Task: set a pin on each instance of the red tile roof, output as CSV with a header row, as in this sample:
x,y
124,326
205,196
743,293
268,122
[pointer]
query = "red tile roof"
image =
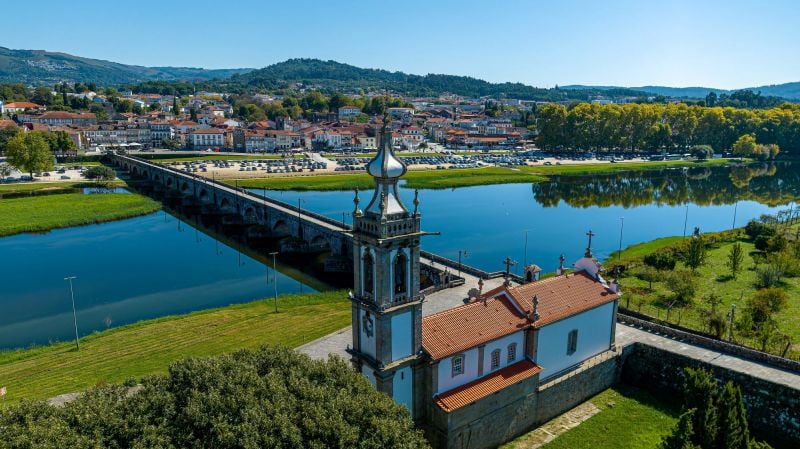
x,y
22,104
562,296
483,387
466,326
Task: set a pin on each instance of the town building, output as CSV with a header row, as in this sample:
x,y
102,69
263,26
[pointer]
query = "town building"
x,y
348,111
206,138
20,106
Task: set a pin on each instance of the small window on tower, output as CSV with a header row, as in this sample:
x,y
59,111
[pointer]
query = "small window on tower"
x,y
572,341
512,352
458,365
496,359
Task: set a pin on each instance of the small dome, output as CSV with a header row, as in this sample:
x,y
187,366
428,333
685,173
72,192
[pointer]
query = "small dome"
x,y
385,164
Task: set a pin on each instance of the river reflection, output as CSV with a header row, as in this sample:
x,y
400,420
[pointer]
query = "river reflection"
x,y
128,270
492,222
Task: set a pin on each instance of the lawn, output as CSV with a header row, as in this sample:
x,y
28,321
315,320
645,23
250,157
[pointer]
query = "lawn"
x,y
423,179
148,347
628,418
443,179
714,277
43,213
21,187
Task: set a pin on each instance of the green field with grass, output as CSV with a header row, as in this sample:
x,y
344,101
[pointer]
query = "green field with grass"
x,y
629,418
422,179
20,187
148,347
212,157
43,213
444,179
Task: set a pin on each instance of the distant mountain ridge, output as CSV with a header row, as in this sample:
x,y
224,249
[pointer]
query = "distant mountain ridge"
x,y
790,91
44,67
338,76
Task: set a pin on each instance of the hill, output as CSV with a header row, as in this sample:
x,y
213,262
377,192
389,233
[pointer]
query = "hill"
x,y
44,67
332,75
789,91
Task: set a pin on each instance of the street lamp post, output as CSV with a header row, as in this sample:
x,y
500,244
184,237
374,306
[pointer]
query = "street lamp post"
x,y
735,208
685,220
299,218
525,256
460,253
275,277
74,315
621,227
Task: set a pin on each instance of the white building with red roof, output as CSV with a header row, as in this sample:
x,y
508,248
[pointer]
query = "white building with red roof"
x,y
461,370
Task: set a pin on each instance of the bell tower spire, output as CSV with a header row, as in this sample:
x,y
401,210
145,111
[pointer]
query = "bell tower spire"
x,y
387,304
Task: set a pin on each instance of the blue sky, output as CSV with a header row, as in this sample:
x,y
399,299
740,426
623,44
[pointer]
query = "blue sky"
x,y
725,44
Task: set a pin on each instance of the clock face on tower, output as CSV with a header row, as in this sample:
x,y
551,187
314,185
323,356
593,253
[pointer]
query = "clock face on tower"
x,y
368,323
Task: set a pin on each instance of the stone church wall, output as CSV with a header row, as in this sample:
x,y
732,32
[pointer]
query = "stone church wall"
x,y
772,408
504,415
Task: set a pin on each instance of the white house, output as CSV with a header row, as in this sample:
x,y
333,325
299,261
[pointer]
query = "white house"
x,y
202,139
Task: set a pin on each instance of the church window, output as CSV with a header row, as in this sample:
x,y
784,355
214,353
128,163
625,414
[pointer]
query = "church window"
x,y
512,352
495,359
458,365
369,267
400,272
572,341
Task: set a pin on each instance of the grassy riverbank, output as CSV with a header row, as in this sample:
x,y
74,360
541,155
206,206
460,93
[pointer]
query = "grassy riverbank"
x,y
210,157
611,427
24,187
443,179
148,347
44,213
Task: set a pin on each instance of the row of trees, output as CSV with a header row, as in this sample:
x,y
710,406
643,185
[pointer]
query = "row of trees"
x,y
272,397
663,127
245,107
712,417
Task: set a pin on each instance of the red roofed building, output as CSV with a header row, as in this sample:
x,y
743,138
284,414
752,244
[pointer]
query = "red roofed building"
x,y
479,367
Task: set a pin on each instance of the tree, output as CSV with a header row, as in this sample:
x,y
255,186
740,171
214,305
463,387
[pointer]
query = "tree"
x,y
100,173
6,133
735,259
193,114
5,171
695,253
683,284
745,146
681,436
702,152
660,260
272,397
699,394
29,152
732,428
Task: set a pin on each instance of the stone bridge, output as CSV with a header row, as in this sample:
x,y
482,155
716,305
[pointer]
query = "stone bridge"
x,y
252,215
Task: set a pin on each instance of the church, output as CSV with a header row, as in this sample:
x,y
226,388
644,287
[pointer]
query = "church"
x,y
464,371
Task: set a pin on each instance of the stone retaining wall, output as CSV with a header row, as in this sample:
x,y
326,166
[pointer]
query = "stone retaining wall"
x,y
772,408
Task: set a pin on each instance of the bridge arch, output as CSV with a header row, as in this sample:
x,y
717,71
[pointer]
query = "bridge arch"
x,y
184,186
204,196
281,228
169,181
250,214
226,205
320,243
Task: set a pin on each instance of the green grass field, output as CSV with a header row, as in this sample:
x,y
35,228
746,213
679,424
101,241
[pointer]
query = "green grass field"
x,y
21,187
43,213
629,418
212,157
148,347
444,179
423,179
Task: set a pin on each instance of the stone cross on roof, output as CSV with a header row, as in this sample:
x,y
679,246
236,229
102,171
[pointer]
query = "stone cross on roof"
x,y
589,246
509,263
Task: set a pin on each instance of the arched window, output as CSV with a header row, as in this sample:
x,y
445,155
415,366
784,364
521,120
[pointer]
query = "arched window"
x,y
400,273
495,359
368,270
512,352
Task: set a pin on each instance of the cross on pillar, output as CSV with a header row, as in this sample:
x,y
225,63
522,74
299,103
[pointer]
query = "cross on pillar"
x,y
589,247
509,263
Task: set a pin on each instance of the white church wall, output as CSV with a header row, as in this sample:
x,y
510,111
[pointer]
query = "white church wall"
x,y
401,335
502,345
367,338
402,387
594,337
446,379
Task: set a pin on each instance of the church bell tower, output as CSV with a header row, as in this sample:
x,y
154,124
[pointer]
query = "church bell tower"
x,y
387,305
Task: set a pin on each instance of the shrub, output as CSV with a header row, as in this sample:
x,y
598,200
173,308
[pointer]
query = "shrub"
x,y
272,397
768,275
683,284
662,259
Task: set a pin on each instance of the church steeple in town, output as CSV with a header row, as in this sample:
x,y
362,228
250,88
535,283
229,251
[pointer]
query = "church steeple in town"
x,y
387,304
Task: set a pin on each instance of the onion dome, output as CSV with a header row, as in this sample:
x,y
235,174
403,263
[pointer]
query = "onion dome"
x,y
385,164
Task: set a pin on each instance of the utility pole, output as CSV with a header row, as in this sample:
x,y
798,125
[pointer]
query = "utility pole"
x,y
621,227
460,252
730,326
735,208
685,220
525,256
275,277
74,315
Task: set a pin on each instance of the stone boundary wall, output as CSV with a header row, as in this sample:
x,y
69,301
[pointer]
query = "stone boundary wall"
x,y
772,408
712,343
